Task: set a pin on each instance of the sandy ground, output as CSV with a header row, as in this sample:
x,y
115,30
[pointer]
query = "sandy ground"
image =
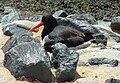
x,y
101,73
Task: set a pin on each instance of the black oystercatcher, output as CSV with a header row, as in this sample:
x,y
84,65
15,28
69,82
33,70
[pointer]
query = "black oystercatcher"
x,y
58,33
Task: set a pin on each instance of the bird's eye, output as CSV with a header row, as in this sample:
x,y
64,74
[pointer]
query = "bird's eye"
x,y
46,19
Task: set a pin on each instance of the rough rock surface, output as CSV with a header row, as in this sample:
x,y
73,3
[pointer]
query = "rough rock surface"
x,y
97,61
29,60
20,37
11,15
65,61
81,25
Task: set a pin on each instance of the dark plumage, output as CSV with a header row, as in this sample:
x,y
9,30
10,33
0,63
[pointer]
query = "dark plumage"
x,y
71,37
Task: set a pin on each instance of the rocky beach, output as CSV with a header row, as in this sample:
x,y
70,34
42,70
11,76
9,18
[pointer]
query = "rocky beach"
x,y
23,58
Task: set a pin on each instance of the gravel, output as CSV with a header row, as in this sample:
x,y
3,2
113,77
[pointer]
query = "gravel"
x,y
101,9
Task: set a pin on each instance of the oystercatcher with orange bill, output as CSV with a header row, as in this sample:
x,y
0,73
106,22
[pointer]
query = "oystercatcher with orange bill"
x,y
69,36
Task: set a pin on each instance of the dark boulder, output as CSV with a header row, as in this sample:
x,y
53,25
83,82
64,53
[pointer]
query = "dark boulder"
x,y
100,38
112,80
2,10
97,61
81,25
115,24
65,61
17,39
60,13
30,60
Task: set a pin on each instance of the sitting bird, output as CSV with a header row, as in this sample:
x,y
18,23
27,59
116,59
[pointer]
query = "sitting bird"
x,y
69,36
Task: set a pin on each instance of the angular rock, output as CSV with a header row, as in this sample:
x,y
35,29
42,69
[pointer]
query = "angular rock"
x,y
112,80
86,80
116,46
85,17
11,42
115,24
17,39
11,15
30,60
100,38
60,13
65,61
97,61
12,29
81,25
109,33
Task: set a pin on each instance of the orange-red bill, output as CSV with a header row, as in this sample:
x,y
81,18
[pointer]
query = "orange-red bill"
x,y
37,26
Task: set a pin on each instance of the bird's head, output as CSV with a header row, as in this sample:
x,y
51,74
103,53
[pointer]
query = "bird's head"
x,y
48,21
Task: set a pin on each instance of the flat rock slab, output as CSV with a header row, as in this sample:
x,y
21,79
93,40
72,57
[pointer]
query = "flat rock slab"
x,y
100,61
89,53
87,80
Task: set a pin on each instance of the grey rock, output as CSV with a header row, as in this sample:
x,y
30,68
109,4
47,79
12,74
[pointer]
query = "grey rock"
x,y
115,24
100,38
60,13
112,80
65,73
85,17
97,61
109,34
65,61
8,10
116,46
13,29
86,80
32,16
1,13
11,15
81,25
11,42
92,53
17,39
29,60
